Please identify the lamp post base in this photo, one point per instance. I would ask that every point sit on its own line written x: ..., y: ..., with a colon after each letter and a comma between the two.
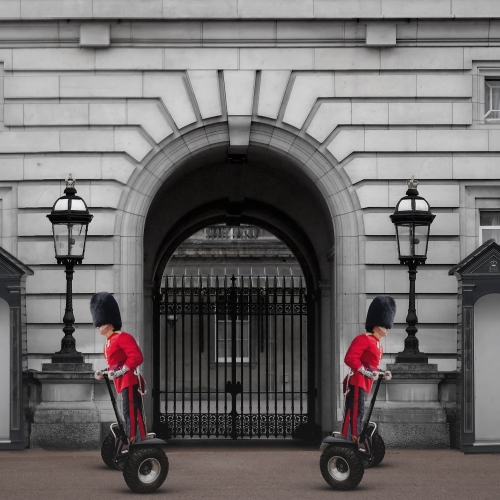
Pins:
x: 403, y: 357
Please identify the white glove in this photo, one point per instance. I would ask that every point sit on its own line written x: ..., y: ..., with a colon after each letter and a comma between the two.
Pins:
x: 98, y: 375
x: 112, y: 374
x: 368, y: 373
x: 387, y: 375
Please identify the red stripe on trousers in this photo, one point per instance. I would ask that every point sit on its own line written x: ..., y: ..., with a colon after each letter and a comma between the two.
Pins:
x: 131, y: 411
x: 142, y: 430
x: 355, y: 412
x: 345, y: 428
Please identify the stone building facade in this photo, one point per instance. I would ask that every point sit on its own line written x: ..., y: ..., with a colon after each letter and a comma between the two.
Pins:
x: 304, y: 117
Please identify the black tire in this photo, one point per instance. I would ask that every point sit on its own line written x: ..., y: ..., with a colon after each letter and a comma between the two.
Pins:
x: 145, y: 469
x: 378, y: 446
x: 341, y: 467
x: 378, y: 452
x: 108, y: 451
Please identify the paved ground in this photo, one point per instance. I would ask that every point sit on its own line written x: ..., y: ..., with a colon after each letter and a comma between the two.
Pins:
x: 251, y: 470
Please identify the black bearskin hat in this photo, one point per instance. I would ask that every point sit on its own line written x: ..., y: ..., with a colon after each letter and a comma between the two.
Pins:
x: 380, y: 313
x: 105, y: 310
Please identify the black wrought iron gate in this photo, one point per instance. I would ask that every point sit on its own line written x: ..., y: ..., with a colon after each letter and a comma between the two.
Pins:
x: 232, y: 357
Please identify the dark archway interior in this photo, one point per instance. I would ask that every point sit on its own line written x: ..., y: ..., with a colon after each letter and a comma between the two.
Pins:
x: 269, y: 191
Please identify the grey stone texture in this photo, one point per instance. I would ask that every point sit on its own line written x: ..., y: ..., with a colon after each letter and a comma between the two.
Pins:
x: 66, y: 436
x: 425, y: 435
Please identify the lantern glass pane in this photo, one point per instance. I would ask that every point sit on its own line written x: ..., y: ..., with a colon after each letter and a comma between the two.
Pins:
x: 78, y: 205
x: 61, y: 239
x: 61, y: 204
x: 404, y: 205
x: 421, y: 234
x: 404, y: 239
x: 77, y: 240
x: 421, y: 205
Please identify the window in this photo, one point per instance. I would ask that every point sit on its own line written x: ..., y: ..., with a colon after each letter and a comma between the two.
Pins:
x: 492, y: 99
x: 489, y: 225
x: 224, y: 336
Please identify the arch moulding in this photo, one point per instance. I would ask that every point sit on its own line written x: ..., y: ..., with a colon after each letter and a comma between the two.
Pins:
x: 337, y: 282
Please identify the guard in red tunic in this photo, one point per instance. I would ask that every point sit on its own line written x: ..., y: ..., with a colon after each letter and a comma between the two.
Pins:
x: 123, y: 356
x: 363, y: 358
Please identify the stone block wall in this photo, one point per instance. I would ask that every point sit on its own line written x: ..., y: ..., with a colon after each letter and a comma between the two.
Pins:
x: 359, y: 116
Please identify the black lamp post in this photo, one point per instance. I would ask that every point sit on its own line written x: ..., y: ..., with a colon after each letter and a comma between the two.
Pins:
x: 413, y: 220
x: 70, y: 219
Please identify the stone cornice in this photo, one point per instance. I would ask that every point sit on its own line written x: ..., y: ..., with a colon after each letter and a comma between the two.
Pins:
x: 247, y: 34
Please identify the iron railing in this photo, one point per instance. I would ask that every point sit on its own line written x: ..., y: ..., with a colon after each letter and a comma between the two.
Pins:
x: 231, y: 357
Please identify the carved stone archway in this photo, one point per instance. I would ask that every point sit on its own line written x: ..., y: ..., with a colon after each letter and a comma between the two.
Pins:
x: 276, y: 158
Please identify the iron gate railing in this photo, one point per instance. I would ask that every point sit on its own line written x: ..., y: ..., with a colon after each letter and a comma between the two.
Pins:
x: 231, y: 357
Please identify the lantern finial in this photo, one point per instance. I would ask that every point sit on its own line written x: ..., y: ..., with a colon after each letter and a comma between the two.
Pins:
x: 412, y: 187
x: 70, y: 182
x: 412, y: 183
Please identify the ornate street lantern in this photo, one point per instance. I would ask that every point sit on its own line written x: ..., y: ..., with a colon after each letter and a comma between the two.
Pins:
x: 412, y: 219
x: 70, y: 219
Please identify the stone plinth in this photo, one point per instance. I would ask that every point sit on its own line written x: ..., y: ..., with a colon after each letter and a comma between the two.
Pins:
x: 67, y: 417
x: 409, y: 412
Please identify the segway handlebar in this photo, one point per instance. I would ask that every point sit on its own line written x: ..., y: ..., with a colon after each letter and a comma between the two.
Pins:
x: 372, y: 404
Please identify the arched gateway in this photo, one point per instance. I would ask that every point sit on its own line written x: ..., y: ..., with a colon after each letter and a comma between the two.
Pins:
x: 285, y: 186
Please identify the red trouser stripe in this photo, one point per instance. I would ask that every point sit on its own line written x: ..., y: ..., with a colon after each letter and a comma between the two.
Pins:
x: 142, y: 430
x: 131, y: 411
x: 355, y: 412
x: 345, y: 428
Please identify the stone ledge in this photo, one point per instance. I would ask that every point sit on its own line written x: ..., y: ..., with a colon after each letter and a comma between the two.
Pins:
x: 402, y: 378
x: 66, y: 367
x: 414, y: 371
x: 65, y: 377
x: 412, y: 367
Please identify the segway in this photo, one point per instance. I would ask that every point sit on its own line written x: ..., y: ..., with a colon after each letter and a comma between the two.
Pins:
x: 343, y: 462
x: 144, y: 464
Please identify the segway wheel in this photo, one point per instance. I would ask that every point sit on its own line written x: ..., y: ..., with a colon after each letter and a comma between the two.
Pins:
x: 378, y: 447
x: 108, y: 451
x: 378, y: 452
x: 341, y: 467
x: 146, y: 469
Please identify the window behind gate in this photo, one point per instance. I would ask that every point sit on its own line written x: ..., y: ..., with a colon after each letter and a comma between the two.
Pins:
x: 223, y: 330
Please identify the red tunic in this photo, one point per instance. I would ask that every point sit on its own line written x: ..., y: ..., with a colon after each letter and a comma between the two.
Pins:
x: 365, y: 350
x: 122, y: 349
